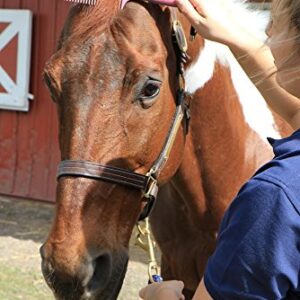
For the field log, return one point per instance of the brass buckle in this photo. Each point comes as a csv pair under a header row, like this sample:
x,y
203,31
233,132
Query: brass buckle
x,y
151,186
180,36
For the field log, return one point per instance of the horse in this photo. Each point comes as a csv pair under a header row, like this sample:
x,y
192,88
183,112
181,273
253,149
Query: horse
x,y
114,80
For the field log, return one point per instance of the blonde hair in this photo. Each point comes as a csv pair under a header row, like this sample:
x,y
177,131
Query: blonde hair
x,y
291,8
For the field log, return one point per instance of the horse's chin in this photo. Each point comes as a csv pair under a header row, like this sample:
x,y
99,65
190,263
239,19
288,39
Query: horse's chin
x,y
113,287
109,292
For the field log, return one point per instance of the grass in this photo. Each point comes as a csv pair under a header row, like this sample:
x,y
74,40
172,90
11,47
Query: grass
x,y
15,284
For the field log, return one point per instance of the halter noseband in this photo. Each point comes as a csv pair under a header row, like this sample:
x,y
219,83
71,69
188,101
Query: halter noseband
x,y
148,183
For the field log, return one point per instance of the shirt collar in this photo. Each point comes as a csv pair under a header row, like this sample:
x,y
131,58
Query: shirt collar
x,y
286,145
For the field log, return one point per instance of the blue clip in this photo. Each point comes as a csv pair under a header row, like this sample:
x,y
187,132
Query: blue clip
x,y
157,278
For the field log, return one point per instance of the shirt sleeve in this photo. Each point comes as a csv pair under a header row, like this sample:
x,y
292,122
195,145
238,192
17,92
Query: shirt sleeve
x,y
257,253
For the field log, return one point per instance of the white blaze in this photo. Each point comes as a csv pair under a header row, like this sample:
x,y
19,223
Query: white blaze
x,y
255,109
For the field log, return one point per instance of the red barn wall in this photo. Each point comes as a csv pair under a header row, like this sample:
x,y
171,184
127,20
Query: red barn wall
x,y
28,141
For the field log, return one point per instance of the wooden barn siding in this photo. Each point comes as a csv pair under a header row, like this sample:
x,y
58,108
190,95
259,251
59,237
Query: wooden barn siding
x,y
28,141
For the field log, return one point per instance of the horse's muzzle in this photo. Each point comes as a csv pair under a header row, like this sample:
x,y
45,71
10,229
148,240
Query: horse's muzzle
x,y
97,279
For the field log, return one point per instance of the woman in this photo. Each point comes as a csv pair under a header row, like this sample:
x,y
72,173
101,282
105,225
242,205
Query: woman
x,y
258,249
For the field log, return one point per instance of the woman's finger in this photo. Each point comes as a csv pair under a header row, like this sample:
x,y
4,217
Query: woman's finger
x,y
200,6
187,8
142,293
180,284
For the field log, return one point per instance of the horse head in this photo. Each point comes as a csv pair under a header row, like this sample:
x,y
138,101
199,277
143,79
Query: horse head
x,y
113,79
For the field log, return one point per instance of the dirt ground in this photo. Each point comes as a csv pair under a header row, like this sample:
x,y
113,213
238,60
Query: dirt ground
x,y
23,228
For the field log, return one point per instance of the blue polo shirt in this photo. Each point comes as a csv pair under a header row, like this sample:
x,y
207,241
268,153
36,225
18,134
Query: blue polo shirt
x,y
258,248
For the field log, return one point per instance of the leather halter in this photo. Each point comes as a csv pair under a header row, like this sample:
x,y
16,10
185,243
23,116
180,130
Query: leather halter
x,y
148,183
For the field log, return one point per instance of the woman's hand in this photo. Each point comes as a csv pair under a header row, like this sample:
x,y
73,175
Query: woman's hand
x,y
167,290
213,20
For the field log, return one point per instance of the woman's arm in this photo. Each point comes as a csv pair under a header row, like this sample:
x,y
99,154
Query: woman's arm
x,y
217,24
201,292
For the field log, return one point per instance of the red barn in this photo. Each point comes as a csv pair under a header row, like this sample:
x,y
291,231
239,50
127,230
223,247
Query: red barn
x,y
28,139
29,151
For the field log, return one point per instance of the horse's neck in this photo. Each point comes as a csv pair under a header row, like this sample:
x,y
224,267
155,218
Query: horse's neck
x,y
227,141
224,95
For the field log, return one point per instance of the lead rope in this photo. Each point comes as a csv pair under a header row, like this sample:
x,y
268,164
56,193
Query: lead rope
x,y
145,240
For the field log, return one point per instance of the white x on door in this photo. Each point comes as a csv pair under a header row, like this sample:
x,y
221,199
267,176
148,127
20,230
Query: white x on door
x,y
14,93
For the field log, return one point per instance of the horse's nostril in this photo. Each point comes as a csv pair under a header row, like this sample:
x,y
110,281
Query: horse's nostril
x,y
42,252
102,273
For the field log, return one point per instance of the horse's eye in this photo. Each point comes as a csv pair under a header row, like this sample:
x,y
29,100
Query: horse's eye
x,y
150,90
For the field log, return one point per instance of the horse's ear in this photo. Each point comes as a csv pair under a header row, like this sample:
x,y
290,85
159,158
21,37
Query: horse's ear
x,y
52,78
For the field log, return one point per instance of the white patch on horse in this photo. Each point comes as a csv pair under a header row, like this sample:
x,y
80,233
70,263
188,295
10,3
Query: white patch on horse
x,y
201,71
255,109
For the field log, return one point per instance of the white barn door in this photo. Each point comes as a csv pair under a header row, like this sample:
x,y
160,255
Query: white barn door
x,y
15,32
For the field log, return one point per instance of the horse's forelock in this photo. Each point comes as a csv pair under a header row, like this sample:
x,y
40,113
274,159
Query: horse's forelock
x,y
89,17
79,26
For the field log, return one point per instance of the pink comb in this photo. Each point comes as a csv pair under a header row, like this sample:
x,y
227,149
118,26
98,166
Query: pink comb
x,y
123,2
88,2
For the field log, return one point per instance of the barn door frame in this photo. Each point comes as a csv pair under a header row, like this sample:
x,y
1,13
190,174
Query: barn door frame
x,y
17,94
